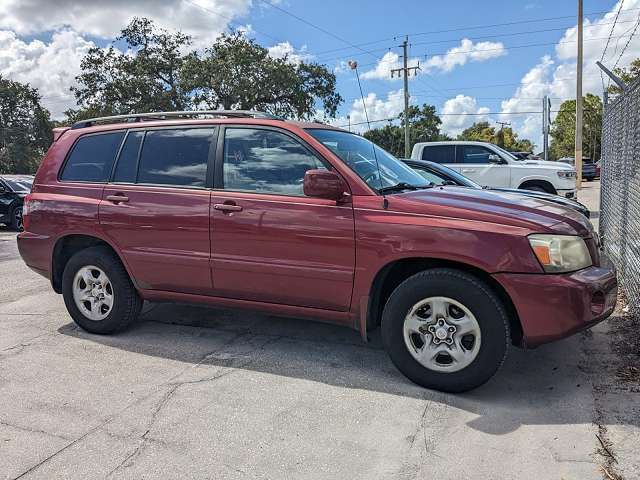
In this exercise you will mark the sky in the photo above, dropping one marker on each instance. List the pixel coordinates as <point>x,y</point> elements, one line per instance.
<point>477,61</point>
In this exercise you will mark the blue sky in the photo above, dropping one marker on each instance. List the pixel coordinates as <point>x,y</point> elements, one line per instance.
<point>470,63</point>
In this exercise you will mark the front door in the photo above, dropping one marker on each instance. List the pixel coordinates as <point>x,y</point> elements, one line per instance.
<point>156,208</point>
<point>270,242</point>
<point>473,162</point>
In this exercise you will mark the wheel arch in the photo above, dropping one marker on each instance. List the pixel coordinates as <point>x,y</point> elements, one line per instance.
<point>68,245</point>
<point>538,182</point>
<point>395,272</point>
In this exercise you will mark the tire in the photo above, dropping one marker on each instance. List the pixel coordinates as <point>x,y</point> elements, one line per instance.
<point>464,290</point>
<point>16,218</point>
<point>125,301</point>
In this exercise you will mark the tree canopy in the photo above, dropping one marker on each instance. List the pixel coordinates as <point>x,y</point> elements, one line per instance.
<point>564,126</point>
<point>424,126</point>
<point>25,131</point>
<point>503,137</point>
<point>159,72</point>
<point>628,75</point>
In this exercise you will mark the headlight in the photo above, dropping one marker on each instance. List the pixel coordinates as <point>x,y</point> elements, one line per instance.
<point>560,253</point>
<point>567,173</point>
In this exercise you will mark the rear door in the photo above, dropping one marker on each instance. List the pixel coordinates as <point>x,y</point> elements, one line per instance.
<point>473,162</point>
<point>269,242</point>
<point>156,207</point>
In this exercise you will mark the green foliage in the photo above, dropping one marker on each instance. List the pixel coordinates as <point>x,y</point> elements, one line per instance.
<point>564,126</point>
<point>25,132</point>
<point>627,75</point>
<point>424,126</point>
<point>503,137</point>
<point>158,73</point>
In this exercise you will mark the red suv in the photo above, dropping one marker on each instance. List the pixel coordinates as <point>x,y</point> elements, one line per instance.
<point>239,209</point>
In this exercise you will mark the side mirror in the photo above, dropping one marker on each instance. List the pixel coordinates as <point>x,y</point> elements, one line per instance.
<point>2,189</point>
<point>494,158</point>
<point>324,184</point>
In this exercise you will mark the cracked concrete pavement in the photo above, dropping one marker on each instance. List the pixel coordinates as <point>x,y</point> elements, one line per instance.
<point>191,392</point>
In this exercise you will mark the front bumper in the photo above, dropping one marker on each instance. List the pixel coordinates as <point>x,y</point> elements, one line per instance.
<point>551,307</point>
<point>571,193</point>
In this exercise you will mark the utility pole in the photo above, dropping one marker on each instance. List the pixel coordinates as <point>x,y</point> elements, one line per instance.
<point>546,125</point>
<point>579,107</point>
<point>406,70</point>
<point>502,125</point>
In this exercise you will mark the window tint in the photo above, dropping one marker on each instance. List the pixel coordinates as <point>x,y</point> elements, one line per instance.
<point>439,153</point>
<point>473,154</point>
<point>429,176</point>
<point>265,161</point>
<point>92,158</point>
<point>175,157</point>
<point>128,160</point>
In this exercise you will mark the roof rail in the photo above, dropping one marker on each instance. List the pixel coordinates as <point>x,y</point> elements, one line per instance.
<point>139,117</point>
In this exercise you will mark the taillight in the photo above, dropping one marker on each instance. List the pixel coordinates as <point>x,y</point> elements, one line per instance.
<point>26,208</point>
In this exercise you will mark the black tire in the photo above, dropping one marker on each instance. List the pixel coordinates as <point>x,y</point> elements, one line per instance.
<point>16,218</point>
<point>478,298</point>
<point>127,303</point>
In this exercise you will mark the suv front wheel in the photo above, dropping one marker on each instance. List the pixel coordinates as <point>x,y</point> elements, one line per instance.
<point>445,329</point>
<point>98,292</point>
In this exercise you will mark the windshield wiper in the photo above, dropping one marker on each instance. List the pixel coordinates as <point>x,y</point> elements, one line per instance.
<point>403,186</point>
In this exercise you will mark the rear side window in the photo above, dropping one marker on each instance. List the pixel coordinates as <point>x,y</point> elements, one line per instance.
<point>175,157</point>
<point>92,158</point>
<point>439,153</point>
<point>127,165</point>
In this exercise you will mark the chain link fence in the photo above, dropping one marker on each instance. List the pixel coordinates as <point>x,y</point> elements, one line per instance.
<point>620,188</point>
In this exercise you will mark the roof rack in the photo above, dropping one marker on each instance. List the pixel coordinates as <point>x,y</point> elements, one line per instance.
<point>139,117</point>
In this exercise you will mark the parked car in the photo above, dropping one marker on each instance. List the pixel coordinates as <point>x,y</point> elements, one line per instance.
<point>598,169</point>
<point>13,189</point>
<point>589,168</point>
<point>241,209</point>
<point>440,175</point>
<point>490,165</point>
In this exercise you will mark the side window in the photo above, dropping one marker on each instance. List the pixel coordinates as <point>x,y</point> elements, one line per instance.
<point>265,161</point>
<point>128,160</point>
<point>439,153</point>
<point>473,154</point>
<point>92,158</point>
<point>175,157</point>
<point>429,176</point>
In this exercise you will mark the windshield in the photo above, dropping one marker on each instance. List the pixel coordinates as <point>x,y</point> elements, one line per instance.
<point>457,177</point>
<point>358,153</point>
<point>509,154</point>
<point>19,185</point>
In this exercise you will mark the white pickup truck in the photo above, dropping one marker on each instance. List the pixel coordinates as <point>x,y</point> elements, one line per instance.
<point>490,165</point>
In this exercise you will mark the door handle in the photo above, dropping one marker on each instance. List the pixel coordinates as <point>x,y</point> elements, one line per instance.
<point>117,198</point>
<point>227,207</point>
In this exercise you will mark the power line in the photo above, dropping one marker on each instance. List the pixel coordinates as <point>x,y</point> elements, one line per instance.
<point>628,41</point>
<point>612,29</point>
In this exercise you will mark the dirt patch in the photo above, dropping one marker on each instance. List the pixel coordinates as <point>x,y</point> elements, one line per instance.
<point>625,343</point>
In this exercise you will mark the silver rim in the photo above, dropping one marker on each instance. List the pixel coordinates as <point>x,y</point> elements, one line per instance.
<point>442,334</point>
<point>93,293</point>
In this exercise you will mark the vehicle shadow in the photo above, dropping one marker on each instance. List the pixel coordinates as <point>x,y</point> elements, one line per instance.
<point>545,386</point>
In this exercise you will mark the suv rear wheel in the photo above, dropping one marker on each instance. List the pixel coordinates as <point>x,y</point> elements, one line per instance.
<point>445,329</point>
<point>98,292</point>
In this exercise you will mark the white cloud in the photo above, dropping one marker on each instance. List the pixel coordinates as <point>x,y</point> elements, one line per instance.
<point>382,70</point>
<point>49,67</point>
<point>454,110</point>
<point>377,109</point>
<point>285,49</point>
<point>557,78</point>
<point>203,19</point>
<point>467,51</point>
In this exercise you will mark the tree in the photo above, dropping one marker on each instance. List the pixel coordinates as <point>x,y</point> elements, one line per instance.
<point>25,132</point>
<point>564,126</point>
<point>236,72</point>
<point>146,78</point>
<point>627,75</point>
<point>503,137</point>
<point>424,126</point>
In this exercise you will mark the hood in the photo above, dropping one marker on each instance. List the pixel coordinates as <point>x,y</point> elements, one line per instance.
<point>544,163</point>
<point>510,209</point>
